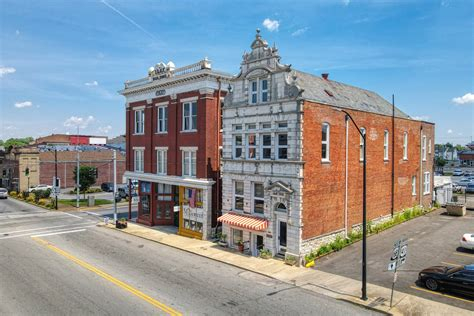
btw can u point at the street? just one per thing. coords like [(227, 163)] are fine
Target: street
[(56, 263)]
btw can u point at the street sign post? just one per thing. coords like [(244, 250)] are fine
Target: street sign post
[(398, 258)]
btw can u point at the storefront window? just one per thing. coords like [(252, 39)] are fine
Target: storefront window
[(145, 187), (237, 236), (193, 211), (145, 203)]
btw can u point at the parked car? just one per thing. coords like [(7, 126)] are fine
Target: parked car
[(456, 279), (467, 241), (40, 187), (122, 190), (3, 193), (107, 187), (458, 172), (464, 182), (470, 187)]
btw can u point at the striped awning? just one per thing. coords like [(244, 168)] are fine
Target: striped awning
[(244, 221)]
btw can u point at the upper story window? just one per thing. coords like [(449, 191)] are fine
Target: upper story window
[(423, 148), (429, 146), (405, 146), (251, 127), (264, 90), (162, 119), (239, 195), (251, 146), (237, 127), (258, 198), (138, 162), (254, 91), (282, 124), (361, 144), (282, 146), (161, 161), (189, 116), (385, 145), (189, 163), (413, 185), (238, 146), (266, 125), (266, 146), (139, 121), (325, 142)]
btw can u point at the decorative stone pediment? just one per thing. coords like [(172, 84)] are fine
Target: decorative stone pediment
[(257, 72), (279, 188)]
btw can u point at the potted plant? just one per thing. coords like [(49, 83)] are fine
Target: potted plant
[(121, 223), (240, 244), (223, 240), (290, 260), (265, 253)]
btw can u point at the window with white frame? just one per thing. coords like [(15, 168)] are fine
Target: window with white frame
[(237, 127), (161, 161), (251, 146), (252, 126), (189, 163), (190, 116), (423, 148), (266, 146), (385, 145), (139, 121), (266, 125), (429, 146), (239, 195), (282, 146), (237, 236), (238, 146), (426, 183), (405, 146), (325, 142), (282, 124), (162, 119), (413, 185), (258, 198), (254, 91), (361, 144), (264, 90), (138, 160)]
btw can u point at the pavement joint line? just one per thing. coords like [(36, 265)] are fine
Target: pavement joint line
[(108, 277), (72, 215), (464, 254), (441, 294), (59, 233), (32, 233)]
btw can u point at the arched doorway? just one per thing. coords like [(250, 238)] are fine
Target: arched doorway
[(281, 228)]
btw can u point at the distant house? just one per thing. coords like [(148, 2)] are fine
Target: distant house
[(65, 139), (466, 158)]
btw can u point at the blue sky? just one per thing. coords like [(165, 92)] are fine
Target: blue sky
[(62, 62)]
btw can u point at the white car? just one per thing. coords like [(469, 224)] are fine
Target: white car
[(40, 187), (458, 172), (3, 193), (467, 241)]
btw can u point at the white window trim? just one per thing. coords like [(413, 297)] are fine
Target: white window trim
[(361, 143), (158, 109), (385, 145), (183, 153), (257, 198), (252, 92), (429, 146), (164, 153), (413, 185), (262, 146), (234, 195), (248, 147), (194, 128), (136, 166), (135, 111), (234, 146), (187, 148), (405, 146), (426, 184), (188, 100), (326, 142), (262, 91), (423, 147), (277, 145)]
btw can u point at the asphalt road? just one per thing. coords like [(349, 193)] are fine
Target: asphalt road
[(55, 263), (433, 239)]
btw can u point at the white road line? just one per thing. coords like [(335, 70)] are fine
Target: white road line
[(59, 233), (73, 215), (40, 228), (92, 213), (46, 232)]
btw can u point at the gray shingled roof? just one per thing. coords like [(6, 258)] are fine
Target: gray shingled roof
[(343, 95)]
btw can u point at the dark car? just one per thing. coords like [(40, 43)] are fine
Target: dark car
[(456, 279), (470, 188), (107, 187)]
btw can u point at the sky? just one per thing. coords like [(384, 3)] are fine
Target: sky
[(62, 62)]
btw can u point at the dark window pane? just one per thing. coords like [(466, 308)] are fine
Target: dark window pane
[(252, 152), (283, 139), (267, 140), (258, 207), (267, 153), (282, 153), (258, 188), (324, 151), (239, 203), (238, 153)]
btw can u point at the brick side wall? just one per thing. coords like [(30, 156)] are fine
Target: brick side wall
[(324, 183)]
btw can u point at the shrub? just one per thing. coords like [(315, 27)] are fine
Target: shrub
[(24, 194), (44, 202), (13, 193), (31, 198)]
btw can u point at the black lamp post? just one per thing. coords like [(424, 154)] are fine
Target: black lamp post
[(364, 211)]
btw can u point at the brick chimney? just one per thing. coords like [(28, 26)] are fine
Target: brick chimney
[(325, 76)]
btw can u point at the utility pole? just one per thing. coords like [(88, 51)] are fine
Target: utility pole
[(115, 186), (56, 174), (77, 169)]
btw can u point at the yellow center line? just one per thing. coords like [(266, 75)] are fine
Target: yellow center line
[(464, 254), (110, 278), (440, 294)]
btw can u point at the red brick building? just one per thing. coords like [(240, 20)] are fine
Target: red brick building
[(173, 135)]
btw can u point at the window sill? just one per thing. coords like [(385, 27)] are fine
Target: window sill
[(405, 159), (138, 134), (189, 131), (161, 133), (325, 161), (426, 193), (138, 171)]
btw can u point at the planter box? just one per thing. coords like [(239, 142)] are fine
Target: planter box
[(120, 225), (222, 243), (456, 209)]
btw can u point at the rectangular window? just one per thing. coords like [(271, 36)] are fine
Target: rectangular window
[(237, 127), (429, 146), (413, 185), (426, 183), (254, 91), (361, 144), (258, 198), (423, 148), (251, 146), (264, 90), (189, 163), (190, 116), (282, 124), (325, 142), (162, 119), (239, 195), (405, 146), (266, 146), (139, 121), (238, 146), (138, 161), (251, 127), (282, 146), (237, 236), (385, 145), (161, 161), (266, 125)]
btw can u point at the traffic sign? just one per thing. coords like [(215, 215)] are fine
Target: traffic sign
[(399, 254)]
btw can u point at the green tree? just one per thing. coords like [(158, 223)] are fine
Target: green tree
[(459, 147), (87, 177), (440, 162), (17, 142)]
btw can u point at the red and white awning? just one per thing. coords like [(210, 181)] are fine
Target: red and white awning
[(244, 221)]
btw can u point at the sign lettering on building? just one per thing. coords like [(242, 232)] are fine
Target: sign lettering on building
[(160, 92)]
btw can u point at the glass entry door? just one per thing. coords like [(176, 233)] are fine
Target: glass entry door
[(282, 237)]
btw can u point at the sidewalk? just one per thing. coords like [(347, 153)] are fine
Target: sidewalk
[(328, 284), (67, 208)]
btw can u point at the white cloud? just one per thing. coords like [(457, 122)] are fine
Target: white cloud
[(93, 83), (75, 121), (346, 2), (421, 118), (105, 129), (6, 71), (450, 131), (299, 32), (25, 104), (271, 25), (467, 98), (17, 32)]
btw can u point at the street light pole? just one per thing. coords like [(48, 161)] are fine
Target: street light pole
[(364, 209), (115, 186), (77, 169)]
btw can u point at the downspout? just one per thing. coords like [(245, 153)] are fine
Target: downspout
[(346, 176), (393, 154), (421, 164)]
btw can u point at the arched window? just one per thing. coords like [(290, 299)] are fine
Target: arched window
[(280, 207)]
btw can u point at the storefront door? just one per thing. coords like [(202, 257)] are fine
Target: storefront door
[(281, 237), (165, 203), (258, 244)]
